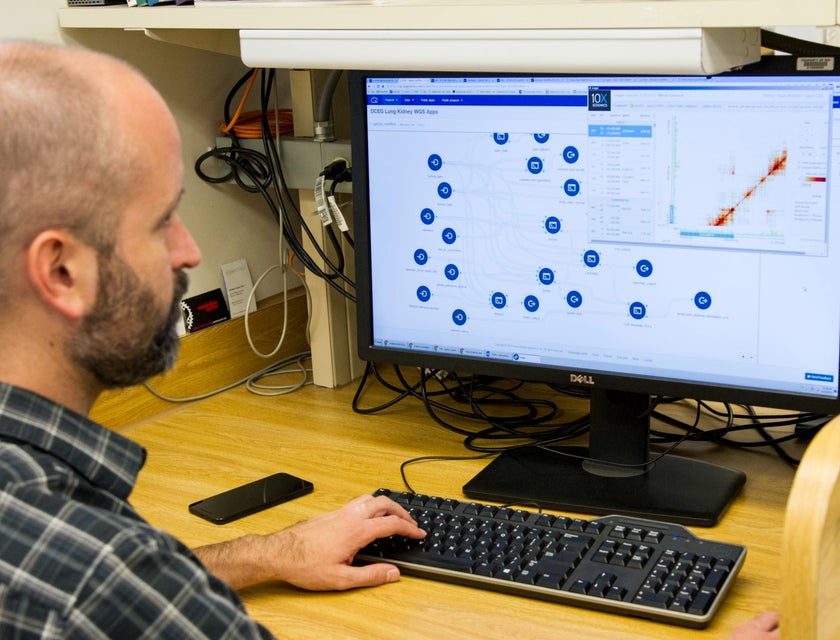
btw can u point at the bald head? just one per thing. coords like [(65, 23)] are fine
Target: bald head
[(72, 148)]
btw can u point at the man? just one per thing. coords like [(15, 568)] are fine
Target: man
[(92, 266)]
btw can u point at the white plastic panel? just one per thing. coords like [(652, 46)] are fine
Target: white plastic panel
[(688, 50)]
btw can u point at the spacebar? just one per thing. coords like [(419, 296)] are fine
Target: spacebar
[(463, 564)]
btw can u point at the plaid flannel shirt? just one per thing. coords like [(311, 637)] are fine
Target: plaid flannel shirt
[(76, 560)]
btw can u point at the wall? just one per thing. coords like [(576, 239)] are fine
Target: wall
[(227, 223)]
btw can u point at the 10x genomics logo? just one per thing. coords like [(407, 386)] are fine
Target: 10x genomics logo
[(599, 100)]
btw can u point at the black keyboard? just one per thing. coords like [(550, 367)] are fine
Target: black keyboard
[(620, 564)]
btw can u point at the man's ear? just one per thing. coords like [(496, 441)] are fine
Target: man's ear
[(63, 271)]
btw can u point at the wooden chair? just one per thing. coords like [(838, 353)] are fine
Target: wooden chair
[(810, 554)]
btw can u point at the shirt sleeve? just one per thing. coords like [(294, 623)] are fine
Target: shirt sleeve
[(147, 584)]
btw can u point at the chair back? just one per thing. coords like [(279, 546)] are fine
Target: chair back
[(810, 554)]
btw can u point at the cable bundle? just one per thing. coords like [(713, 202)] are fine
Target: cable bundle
[(261, 172), (493, 416)]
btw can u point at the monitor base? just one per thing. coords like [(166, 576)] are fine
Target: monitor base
[(673, 489)]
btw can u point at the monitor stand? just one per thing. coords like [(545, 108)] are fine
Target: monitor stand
[(615, 474)]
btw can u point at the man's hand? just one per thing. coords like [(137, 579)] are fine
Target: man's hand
[(762, 627), (316, 554)]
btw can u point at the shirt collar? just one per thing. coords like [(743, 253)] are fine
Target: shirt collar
[(107, 459)]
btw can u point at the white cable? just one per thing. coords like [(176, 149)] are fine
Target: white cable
[(251, 381), (252, 294), (285, 312), (256, 387)]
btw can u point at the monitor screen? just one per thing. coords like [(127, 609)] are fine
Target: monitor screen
[(633, 235)]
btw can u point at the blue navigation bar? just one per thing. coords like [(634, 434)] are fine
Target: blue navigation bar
[(503, 100)]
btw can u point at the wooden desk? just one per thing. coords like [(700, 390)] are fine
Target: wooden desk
[(206, 447)]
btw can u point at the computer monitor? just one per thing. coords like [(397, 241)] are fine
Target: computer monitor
[(636, 236)]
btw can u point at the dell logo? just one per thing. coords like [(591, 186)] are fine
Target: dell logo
[(578, 378)]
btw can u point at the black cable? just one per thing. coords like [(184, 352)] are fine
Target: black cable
[(370, 368), (232, 93), (239, 160), (532, 425), (410, 461), (256, 162), (288, 207), (758, 423), (339, 268), (532, 428), (261, 173), (338, 172), (796, 46), (278, 211)]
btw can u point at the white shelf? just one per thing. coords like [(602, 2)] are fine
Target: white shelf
[(461, 14), (703, 51)]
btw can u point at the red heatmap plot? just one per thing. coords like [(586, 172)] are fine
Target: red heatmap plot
[(777, 166)]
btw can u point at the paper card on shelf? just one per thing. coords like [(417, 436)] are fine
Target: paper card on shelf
[(238, 285)]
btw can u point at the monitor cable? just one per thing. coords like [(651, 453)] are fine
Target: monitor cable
[(796, 46)]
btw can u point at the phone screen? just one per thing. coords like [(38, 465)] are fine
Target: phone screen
[(250, 498)]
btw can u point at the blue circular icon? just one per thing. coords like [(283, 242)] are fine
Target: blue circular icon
[(574, 299), (644, 268), (435, 162), (552, 224), (703, 300), (546, 275), (421, 257), (459, 317), (449, 236), (532, 303), (500, 138), (571, 154), (591, 258), (541, 138), (637, 310), (427, 216), (444, 190), (451, 272), (571, 187), (424, 293), (535, 165), (498, 300)]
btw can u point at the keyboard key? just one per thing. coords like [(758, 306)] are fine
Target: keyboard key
[(616, 593), (653, 537), (636, 533), (658, 599), (551, 580), (701, 603), (715, 578)]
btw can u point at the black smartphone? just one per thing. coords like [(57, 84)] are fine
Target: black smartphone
[(250, 498)]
